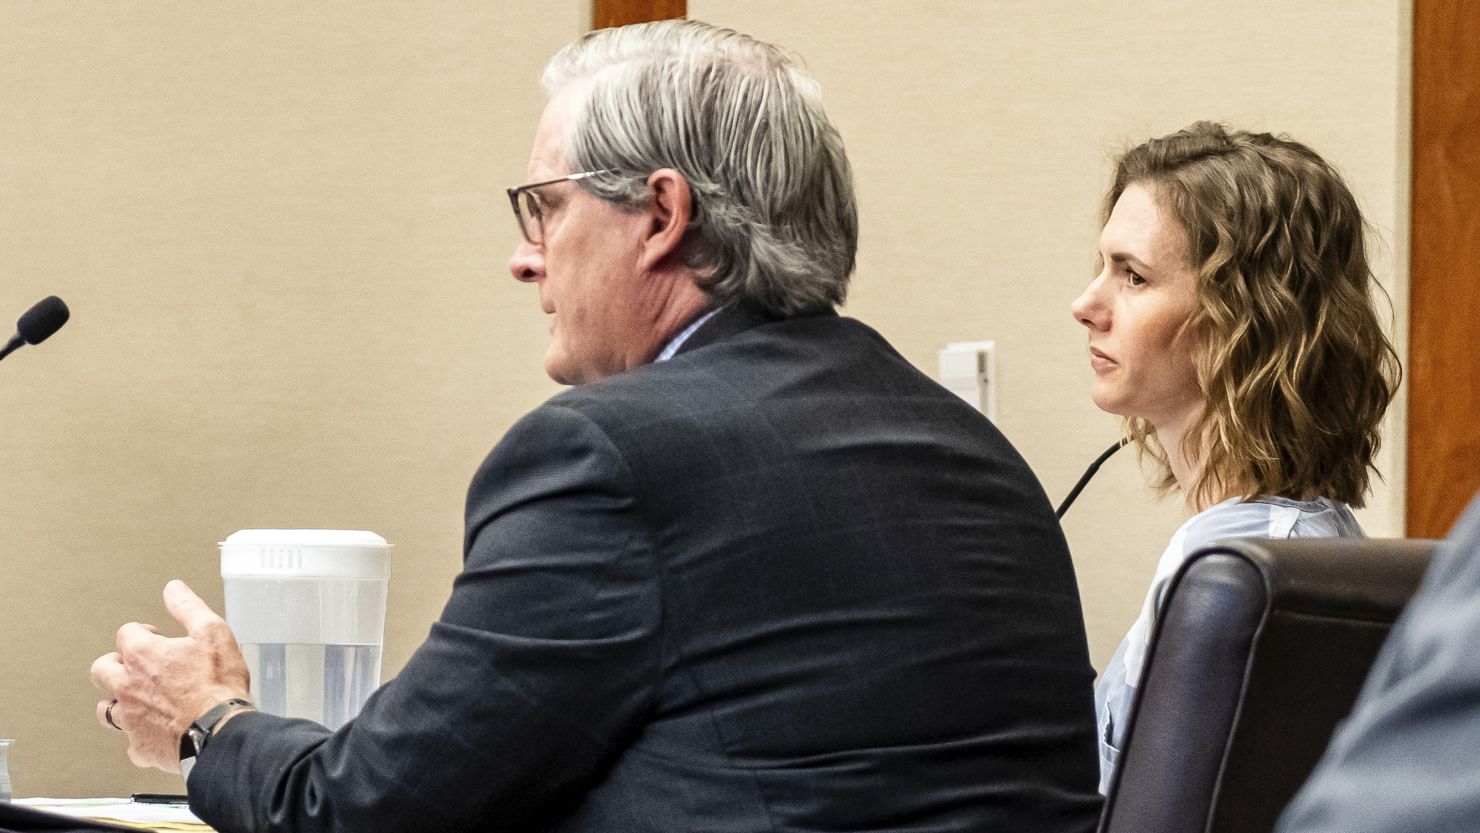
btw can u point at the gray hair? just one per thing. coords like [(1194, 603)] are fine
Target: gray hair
[(774, 216)]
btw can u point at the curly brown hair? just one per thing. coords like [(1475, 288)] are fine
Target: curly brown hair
[(1294, 367)]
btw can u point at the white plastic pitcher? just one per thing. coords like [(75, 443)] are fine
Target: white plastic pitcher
[(5, 769), (308, 609)]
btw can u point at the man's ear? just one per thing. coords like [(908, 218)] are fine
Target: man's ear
[(668, 216)]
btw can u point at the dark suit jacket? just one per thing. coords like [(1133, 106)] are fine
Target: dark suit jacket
[(782, 581)]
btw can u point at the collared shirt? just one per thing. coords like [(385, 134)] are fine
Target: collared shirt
[(677, 341), (1262, 517)]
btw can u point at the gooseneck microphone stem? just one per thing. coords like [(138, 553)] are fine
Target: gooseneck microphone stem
[(1088, 473), (15, 343)]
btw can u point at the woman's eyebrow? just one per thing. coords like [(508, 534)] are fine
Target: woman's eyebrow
[(1125, 257)]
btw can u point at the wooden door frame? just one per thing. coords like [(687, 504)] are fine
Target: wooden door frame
[(1444, 269), (608, 13)]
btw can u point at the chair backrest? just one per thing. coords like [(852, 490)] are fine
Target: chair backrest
[(1261, 650)]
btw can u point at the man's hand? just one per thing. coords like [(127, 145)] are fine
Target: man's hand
[(154, 686)]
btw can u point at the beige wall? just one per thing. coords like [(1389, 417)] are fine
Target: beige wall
[(281, 231)]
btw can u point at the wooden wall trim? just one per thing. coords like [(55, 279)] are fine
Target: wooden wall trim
[(1444, 301), (608, 13)]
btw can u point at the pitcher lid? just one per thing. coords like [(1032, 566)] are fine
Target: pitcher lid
[(305, 553)]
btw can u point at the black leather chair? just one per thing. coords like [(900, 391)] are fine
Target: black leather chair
[(1262, 649)]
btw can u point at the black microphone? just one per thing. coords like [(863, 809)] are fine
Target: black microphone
[(38, 323)]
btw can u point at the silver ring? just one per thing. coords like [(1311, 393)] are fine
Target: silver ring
[(108, 714)]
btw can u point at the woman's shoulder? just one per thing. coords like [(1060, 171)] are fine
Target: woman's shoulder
[(1269, 517)]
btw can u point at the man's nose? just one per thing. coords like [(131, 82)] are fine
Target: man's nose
[(527, 263)]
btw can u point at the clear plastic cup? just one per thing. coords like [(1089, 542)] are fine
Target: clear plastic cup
[(308, 609)]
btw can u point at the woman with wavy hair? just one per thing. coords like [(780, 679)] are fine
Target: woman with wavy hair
[(1232, 324)]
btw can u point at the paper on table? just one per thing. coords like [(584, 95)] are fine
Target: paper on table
[(121, 811)]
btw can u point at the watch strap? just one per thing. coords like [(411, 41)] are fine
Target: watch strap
[(195, 737)]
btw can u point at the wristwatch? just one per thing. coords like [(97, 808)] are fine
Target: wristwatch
[(194, 739)]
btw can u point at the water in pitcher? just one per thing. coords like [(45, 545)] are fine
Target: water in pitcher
[(323, 683)]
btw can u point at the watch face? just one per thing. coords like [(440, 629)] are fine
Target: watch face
[(191, 742)]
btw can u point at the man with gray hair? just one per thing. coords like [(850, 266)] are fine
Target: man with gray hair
[(753, 572)]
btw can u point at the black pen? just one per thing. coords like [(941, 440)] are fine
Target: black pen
[(159, 798)]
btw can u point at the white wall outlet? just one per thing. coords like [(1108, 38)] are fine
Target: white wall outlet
[(969, 370)]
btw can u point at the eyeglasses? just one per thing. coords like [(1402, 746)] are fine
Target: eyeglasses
[(527, 211)]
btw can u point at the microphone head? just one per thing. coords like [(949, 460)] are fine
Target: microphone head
[(40, 321)]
